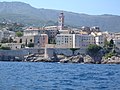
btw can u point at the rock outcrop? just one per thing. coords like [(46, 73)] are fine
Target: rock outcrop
[(86, 59), (73, 59), (112, 60)]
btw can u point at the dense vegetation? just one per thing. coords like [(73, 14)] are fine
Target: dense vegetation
[(93, 49), (97, 52), (109, 47)]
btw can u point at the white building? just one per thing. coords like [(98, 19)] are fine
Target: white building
[(99, 40), (74, 40), (64, 40), (117, 40), (82, 41)]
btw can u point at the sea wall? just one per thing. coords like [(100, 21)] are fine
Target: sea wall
[(49, 52), (13, 55), (7, 55)]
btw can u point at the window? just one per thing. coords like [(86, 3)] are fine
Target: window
[(30, 40), (20, 40)]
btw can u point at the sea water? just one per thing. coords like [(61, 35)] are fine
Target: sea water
[(58, 76)]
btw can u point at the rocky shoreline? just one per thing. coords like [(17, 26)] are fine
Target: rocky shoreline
[(85, 59)]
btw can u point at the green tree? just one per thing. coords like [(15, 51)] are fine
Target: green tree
[(111, 44), (106, 43), (93, 49), (19, 34), (109, 55)]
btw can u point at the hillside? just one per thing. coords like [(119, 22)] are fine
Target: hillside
[(28, 15)]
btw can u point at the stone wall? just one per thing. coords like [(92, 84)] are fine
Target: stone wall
[(11, 54), (8, 55), (49, 52)]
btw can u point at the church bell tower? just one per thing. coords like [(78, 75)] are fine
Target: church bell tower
[(61, 21)]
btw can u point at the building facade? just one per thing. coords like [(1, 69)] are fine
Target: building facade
[(31, 31), (43, 40), (74, 40), (64, 40), (99, 40), (37, 40), (51, 31)]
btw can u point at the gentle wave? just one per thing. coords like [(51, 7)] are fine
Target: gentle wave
[(57, 76)]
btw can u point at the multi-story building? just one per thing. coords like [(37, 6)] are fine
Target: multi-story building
[(31, 31), (82, 41), (29, 39), (38, 40), (51, 31), (117, 39), (99, 40), (64, 40), (74, 40)]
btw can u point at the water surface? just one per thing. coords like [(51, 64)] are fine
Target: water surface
[(57, 76)]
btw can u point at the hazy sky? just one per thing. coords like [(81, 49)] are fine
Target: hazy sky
[(93, 7)]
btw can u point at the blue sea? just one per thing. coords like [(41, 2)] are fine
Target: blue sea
[(58, 76)]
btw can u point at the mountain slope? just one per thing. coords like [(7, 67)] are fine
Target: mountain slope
[(28, 15)]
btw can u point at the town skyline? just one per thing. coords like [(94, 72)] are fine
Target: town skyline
[(88, 7)]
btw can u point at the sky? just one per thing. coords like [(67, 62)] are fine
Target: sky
[(92, 7)]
